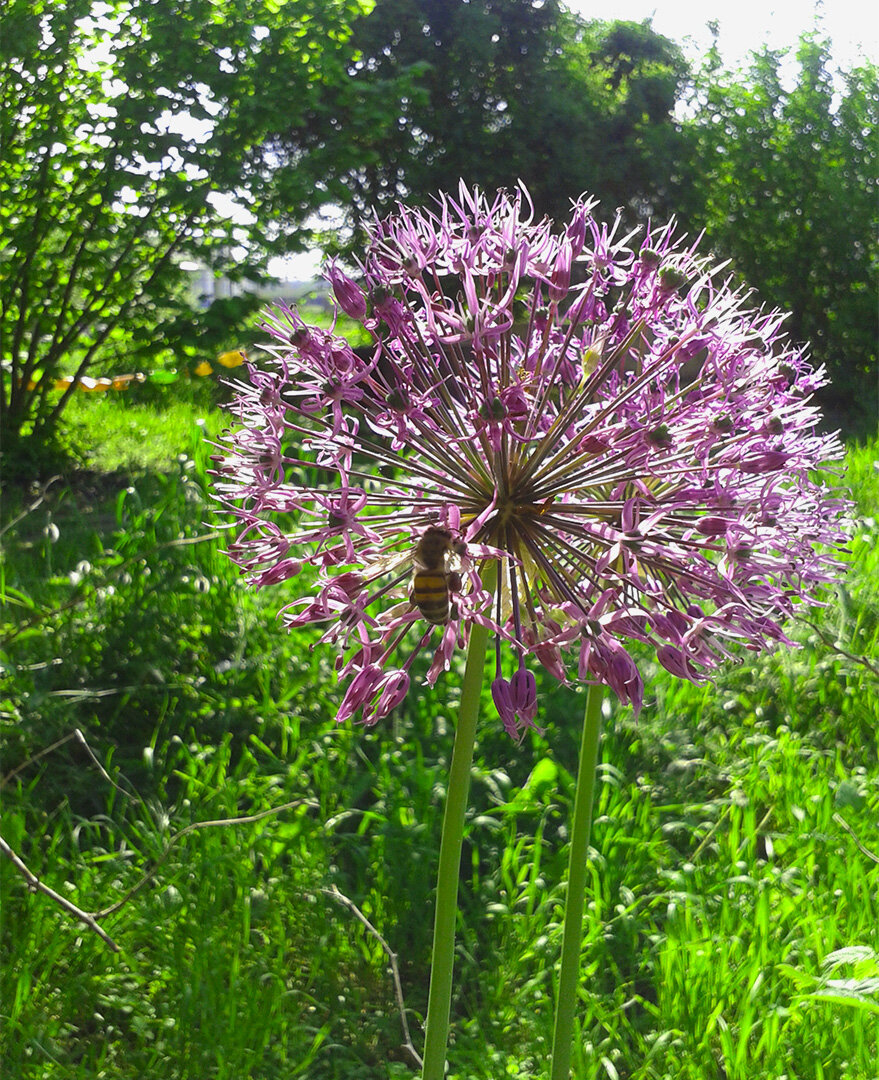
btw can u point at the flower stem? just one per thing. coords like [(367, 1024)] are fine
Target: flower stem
[(573, 930), (442, 962)]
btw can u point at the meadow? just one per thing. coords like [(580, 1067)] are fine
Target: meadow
[(171, 763)]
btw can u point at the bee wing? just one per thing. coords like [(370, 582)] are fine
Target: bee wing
[(455, 561), (385, 564)]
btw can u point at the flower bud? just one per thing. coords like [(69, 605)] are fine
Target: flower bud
[(281, 571), (660, 437), (350, 296), (673, 660), (493, 410), (398, 399), (360, 691), (502, 697), (671, 279), (712, 526), (742, 552), (768, 461), (394, 688), (523, 689)]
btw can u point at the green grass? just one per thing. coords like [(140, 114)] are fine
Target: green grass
[(734, 901), (135, 436)]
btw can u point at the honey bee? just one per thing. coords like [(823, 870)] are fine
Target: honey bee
[(433, 577)]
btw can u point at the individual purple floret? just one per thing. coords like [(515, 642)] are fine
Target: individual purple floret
[(599, 418)]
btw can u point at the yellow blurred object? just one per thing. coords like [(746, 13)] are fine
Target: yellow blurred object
[(590, 361), (64, 382), (204, 368), (232, 359)]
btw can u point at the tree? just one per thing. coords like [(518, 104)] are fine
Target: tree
[(785, 182), (124, 122), (502, 90)]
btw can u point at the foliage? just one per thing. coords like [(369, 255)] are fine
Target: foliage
[(125, 126), (785, 179), (504, 90), (782, 179), (732, 926)]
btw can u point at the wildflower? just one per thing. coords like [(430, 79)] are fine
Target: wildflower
[(598, 424)]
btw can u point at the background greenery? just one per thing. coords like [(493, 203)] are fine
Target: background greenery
[(732, 927), (732, 923), (132, 130)]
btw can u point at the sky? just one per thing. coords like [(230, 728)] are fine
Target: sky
[(744, 26)]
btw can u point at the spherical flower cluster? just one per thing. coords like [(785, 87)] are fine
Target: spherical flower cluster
[(575, 438)]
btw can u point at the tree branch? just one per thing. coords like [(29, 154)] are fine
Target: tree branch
[(340, 898), (832, 645), (246, 820), (38, 886)]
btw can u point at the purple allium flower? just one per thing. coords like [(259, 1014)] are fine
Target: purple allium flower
[(600, 418)]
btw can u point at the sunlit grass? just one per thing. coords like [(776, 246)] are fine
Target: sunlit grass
[(134, 436)]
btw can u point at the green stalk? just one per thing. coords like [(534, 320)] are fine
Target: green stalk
[(566, 1000), (439, 1001)]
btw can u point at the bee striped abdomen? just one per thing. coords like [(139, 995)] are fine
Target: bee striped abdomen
[(430, 594)]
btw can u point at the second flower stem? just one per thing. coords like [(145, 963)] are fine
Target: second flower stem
[(443, 959), (569, 974)]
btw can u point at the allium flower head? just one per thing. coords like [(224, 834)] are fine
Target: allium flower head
[(574, 437)]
